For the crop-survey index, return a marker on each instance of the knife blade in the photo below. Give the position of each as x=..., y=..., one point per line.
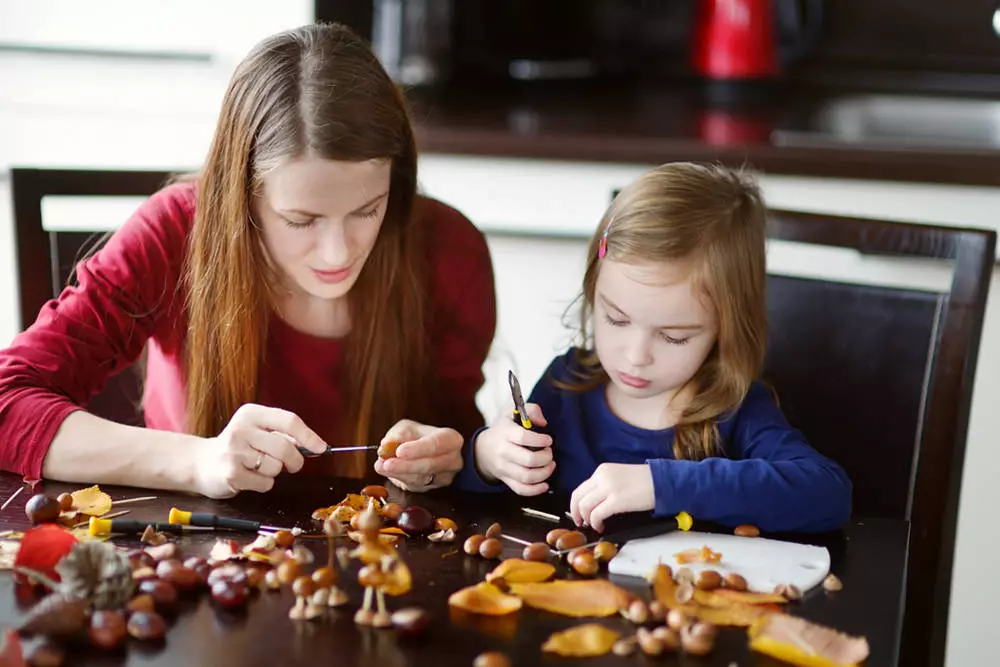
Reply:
x=335, y=450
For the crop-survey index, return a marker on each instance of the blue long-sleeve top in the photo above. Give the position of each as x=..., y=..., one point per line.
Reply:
x=768, y=475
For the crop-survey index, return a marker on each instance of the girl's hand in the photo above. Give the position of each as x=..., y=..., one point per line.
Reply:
x=501, y=454
x=612, y=489
x=428, y=457
x=256, y=445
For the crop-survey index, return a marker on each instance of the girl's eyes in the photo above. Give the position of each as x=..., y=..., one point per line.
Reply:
x=302, y=224
x=662, y=334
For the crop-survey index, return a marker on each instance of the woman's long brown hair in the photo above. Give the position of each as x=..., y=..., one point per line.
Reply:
x=315, y=90
x=717, y=217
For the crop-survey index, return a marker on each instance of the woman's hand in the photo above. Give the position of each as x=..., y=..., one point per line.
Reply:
x=428, y=457
x=256, y=445
x=614, y=488
x=502, y=454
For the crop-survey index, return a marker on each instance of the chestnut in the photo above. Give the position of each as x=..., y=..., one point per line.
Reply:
x=415, y=520
x=375, y=491
x=288, y=571
x=571, y=540
x=164, y=594
x=139, y=558
x=45, y=654
x=391, y=511
x=490, y=548
x=229, y=572
x=537, y=551
x=325, y=577
x=164, y=551
x=229, y=594
x=107, y=629
x=183, y=578
x=472, y=544
x=147, y=626
x=42, y=509
x=552, y=537
x=65, y=501
x=410, y=621
x=491, y=659
x=605, y=551
x=283, y=539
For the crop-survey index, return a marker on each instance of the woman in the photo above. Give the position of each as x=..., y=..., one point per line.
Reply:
x=295, y=292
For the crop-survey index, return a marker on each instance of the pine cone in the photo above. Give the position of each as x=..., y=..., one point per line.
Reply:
x=56, y=615
x=98, y=573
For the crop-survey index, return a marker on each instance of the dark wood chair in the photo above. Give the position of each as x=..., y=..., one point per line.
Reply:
x=46, y=259
x=880, y=379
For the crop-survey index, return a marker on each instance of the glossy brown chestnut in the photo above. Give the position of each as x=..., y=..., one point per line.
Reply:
x=107, y=629
x=391, y=511
x=147, y=626
x=42, y=509
x=415, y=520
x=410, y=621
x=229, y=595
x=164, y=594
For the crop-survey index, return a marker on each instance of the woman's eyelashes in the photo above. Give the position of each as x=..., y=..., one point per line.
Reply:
x=662, y=334
x=370, y=214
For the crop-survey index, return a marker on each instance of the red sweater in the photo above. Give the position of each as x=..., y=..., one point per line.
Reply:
x=128, y=293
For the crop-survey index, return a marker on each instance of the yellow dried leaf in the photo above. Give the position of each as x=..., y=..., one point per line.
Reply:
x=727, y=612
x=739, y=615
x=91, y=501
x=801, y=642
x=392, y=530
x=484, y=598
x=388, y=539
x=723, y=597
x=578, y=598
x=583, y=641
x=518, y=571
x=703, y=555
x=355, y=501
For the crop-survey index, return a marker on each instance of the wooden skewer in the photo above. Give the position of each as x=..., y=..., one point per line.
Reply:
x=515, y=539
x=132, y=500
x=541, y=515
x=11, y=499
x=113, y=515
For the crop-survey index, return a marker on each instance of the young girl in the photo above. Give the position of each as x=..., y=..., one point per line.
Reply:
x=295, y=291
x=660, y=408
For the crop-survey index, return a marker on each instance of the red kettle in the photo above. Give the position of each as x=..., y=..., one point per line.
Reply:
x=752, y=40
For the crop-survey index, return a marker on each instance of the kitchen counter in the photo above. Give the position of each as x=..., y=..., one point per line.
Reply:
x=800, y=131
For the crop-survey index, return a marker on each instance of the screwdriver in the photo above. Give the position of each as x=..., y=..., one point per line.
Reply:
x=183, y=518
x=107, y=526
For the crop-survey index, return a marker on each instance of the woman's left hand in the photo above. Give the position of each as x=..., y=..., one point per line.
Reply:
x=614, y=488
x=428, y=457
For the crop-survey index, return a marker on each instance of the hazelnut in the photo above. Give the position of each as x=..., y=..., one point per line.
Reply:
x=490, y=548
x=415, y=520
x=391, y=511
x=637, y=612
x=790, y=591
x=283, y=539
x=576, y=553
x=371, y=576
x=832, y=583
x=668, y=637
x=537, y=551
x=571, y=540
x=553, y=536
x=708, y=580
x=736, y=582
x=605, y=551
x=447, y=535
x=325, y=577
x=657, y=611
x=677, y=619
x=494, y=530
x=698, y=638
x=684, y=576
x=255, y=577
x=375, y=491
x=472, y=544
x=624, y=647
x=288, y=571
x=65, y=501
x=387, y=450
x=107, y=629
x=147, y=626
x=491, y=659
x=746, y=530
x=444, y=523
x=586, y=564
x=45, y=654
x=42, y=509
x=304, y=586
x=410, y=621
x=649, y=644
x=684, y=593
x=164, y=594
x=229, y=594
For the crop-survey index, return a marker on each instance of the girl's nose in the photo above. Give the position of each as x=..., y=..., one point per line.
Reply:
x=639, y=352
x=331, y=245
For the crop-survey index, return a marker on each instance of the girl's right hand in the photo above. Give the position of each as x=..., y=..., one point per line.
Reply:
x=502, y=454
x=256, y=445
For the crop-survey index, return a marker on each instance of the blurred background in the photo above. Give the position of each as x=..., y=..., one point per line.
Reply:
x=530, y=114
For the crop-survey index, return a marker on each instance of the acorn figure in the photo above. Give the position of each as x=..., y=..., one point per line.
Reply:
x=382, y=572
x=329, y=576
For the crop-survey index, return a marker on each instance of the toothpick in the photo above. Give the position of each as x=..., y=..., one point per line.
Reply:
x=132, y=500
x=11, y=499
x=113, y=515
x=515, y=539
x=541, y=515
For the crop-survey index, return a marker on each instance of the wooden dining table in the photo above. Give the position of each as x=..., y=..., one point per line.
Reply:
x=868, y=555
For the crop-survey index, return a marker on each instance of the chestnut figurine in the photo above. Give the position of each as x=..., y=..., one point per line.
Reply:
x=330, y=576
x=382, y=572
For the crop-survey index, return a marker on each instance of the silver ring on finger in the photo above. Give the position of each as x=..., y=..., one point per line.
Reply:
x=259, y=463
x=430, y=479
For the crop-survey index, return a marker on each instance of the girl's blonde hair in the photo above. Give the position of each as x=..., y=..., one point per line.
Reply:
x=716, y=217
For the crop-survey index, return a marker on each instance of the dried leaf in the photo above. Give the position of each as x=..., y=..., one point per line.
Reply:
x=518, y=571
x=583, y=641
x=484, y=598
x=392, y=530
x=703, y=555
x=344, y=510
x=386, y=539
x=398, y=579
x=42, y=547
x=91, y=501
x=801, y=642
x=739, y=615
x=151, y=536
x=55, y=615
x=578, y=598
x=723, y=597
x=729, y=612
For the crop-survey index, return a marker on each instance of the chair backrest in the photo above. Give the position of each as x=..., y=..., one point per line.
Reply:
x=46, y=259
x=880, y=379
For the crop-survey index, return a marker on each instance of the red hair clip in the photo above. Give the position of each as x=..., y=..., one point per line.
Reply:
x=602, y=247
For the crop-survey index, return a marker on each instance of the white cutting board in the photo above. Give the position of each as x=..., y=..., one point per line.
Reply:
x=763, y=563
